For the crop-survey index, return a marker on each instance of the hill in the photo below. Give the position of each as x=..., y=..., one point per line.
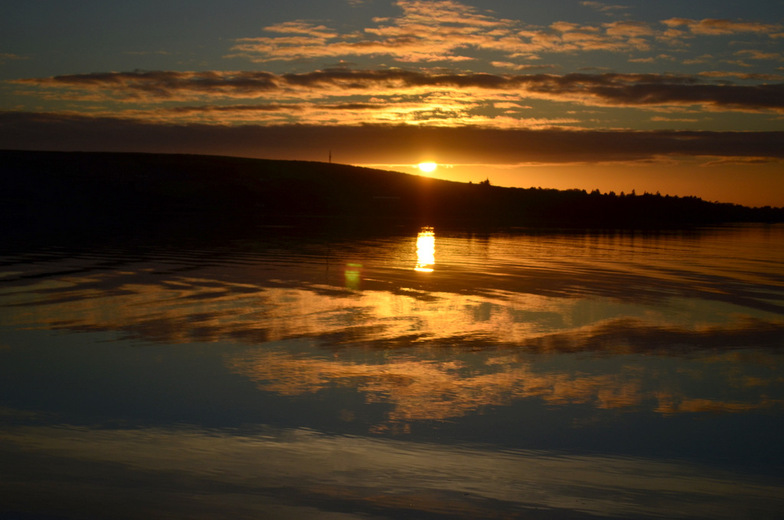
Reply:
x=76, y=190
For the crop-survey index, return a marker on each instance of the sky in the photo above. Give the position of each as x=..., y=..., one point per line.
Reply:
x=680, y=98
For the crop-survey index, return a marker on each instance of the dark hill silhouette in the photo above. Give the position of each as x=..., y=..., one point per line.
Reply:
x=76, y=190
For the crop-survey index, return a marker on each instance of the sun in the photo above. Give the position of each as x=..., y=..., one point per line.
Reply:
x=427, y=167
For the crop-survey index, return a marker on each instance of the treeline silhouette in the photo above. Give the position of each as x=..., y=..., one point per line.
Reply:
x=78, y=190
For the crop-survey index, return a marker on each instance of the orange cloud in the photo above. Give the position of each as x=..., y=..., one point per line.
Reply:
x=302, y=27
x=742, y=75
x=449, y=31
x=442, y=30
x=426, y=31
x=760, y=55
x=608, y=89
x=629, y=29
x=715, y=26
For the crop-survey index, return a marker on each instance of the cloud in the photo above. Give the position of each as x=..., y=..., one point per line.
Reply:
x=159, y=85
x=426, y=31
x=604, y=8
x=753, y=54
x=662, y=119
x=715, y=26
x=302, y=27
x=742, y=75
x=629, y=29
x=660, y=90
x=447, y=31
x=606, y=89
x=7, y=56
x=441, y=31
x=375, y=144
x=705, y=58
x=520, y=67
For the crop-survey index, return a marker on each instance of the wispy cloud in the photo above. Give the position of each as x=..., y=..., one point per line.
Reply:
x=603, y=7
x=440, y=31
x=715, y=26
x=448, y=31
x=751, y=76
x=754, y=54
x=7, y=56
x=663, y=119
x=426, y=31
x=520, y=67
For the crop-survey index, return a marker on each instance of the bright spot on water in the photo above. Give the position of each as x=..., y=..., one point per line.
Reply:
x=426, y=250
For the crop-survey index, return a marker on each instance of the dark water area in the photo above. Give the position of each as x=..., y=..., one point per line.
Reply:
x=314, y=370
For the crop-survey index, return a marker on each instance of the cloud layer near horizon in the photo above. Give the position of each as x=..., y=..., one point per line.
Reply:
x=383, y=143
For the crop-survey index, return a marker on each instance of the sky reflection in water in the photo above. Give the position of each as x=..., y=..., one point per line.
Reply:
x=468, y=374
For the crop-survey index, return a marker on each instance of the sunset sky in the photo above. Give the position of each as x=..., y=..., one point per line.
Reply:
x=683, y=98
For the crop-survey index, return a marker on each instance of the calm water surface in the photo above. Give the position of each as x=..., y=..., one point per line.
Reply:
x=424, y=374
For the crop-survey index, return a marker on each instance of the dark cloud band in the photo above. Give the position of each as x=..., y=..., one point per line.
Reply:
x=378, y=143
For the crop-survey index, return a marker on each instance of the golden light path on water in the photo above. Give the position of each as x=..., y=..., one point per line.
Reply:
x=426, y=250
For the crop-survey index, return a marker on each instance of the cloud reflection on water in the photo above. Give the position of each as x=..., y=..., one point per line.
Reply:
x=436, y=384
x=443, y=357
x=472, y=334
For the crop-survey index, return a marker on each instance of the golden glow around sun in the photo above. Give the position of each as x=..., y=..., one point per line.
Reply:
x=427, y=167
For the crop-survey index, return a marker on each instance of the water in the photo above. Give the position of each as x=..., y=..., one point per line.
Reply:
x=419, y=374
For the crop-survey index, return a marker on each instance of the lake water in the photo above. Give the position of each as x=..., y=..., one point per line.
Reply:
x=423, y=374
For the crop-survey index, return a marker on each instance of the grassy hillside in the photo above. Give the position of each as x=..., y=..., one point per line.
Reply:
x=108, y=190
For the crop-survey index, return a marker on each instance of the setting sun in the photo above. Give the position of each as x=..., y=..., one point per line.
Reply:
x=427, y=167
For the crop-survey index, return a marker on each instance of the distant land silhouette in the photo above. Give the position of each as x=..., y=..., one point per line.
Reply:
x=67, y=191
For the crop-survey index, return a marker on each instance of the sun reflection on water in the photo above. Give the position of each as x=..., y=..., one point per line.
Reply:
x=426, y=250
